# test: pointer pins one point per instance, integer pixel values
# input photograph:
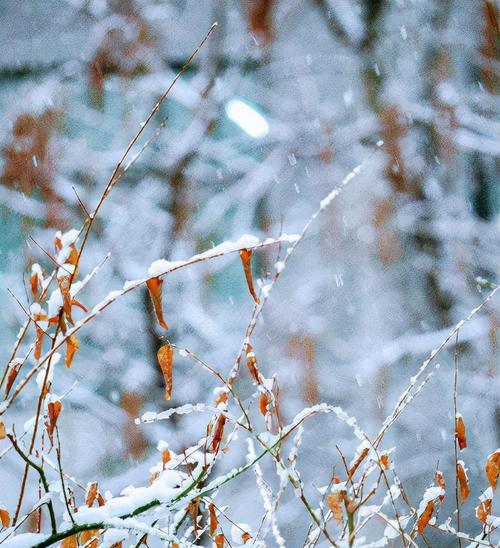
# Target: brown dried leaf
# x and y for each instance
(218, 433)
(166, 360)
(64, 283)
(72, 345)
(70, 542)
(3, 433)
(460, 435)
(92, 489)
(492, 468)
(154, 286)
(165, 457)
(334, 502)
(425, 516)
(39, 342)
(4, 517)
(384, 461)
(463, 481)
(214, 522)
(358, 461)
(13, 372)
(90, 538)
(219, 541)
(34, 285)
(53, 410)
(252, 364)
(245, 537)
(440, 481)
(246, 260)
(483, 510)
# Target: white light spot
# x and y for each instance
(249, 120)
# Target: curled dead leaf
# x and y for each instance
(3, 433)
(460, 435)
(463, 481)
(91, 495)
(358, 461)
(218, 433)
(492, 468)
(166, 360)
(425, 517)
(53, 411)
(246, 260)
(72, 345)
(334, 501)
(154, 286)
(252, 364)
(219, 541)
(440, 481)
(214, 522)
(483, 510)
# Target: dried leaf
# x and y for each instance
(384, 461)
(154, 286)
(34, 285)
(425, 516)
(245, 537)
(463, 481)
(218, 433)
(440, 481)
(246, 260)
(4, 517)
(358, 461)
(334, 502)
(53, 410)
(39, 342)
(64, 283)
(252, 364)
(90, 538)
(72, 345)
(219, 541)
(460, 432)
(492, 468)
(13, 372)
(214, 522)
(166, 360)
(91, 495)
(483, 510)
(3, 433)
(263, 403)
(165, 457)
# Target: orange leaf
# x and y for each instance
(214, 522)
(72, 345)
(492, 468)
(384, 461)
(463, 481)
(3, 433)
(425, 516)
(34, 285)
(90, 538)
(39, 342)
(358, 461)
(440, 481)
(219, 541)
(245, 537)
(218, 433)
(263, 403)
(155, 292)
(246, 260)
(334, 502)
(165, 457)
(460, 432)
(91, 493)
(252, 364)
(13, 372)
(53, 409)
(483, 510)
(166, 360)
(4, 517)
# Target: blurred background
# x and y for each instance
(283, 101)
